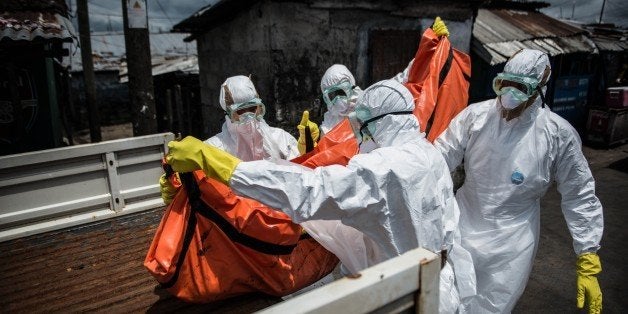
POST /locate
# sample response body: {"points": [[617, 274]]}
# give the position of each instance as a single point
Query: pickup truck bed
{"points": [[95, 268]]}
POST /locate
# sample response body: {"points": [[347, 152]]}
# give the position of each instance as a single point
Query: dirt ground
{"points": [[552, 284]]}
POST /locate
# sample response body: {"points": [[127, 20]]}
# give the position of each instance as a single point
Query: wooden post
{"points": [[88, 71], [169, 115], [55, 116], [188, 118], [141, 90], [179, 107], [16, 103]]}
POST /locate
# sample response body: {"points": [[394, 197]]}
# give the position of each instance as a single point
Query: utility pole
{"points": [[138, 61], [88, 71], [602, 12]]}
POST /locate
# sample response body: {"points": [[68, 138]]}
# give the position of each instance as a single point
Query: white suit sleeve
{"points": [[581, 208], [281, 143], [453, 142], [291, 147], [329, 192]]}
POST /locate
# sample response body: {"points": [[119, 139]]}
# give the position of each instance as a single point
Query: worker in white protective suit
{"points": [[513, 147], [339, 94], [244, 134], [399, 195]]}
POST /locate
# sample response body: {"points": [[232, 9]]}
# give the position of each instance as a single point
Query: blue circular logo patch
{"points": [[517, 177]]}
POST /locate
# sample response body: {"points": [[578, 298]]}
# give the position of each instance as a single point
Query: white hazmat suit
{"points": [[509, 166], [398, 195], [253, 139]]}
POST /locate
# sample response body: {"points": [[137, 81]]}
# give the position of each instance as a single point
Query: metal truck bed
{"points": [[95, 268]]}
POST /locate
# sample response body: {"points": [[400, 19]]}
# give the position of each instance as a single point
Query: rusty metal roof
{"points": [[163, 65], [30, 25], [608, 37], [611, 44], [499, 33], [109, 50]]}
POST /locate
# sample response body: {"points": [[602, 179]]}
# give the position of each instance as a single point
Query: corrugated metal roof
{"points": [[499, 33], [109, 49], [29, 26], [161, 65], [611, 44]]}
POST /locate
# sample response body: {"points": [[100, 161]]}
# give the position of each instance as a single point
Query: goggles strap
{"points": [[538, 89], [396, 113]]}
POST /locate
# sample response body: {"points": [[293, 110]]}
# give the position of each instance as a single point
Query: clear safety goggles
{"points": [[342, 89], [522, 87], [246, 111]]}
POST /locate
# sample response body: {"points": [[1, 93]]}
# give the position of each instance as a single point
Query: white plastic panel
{"points": [[57, 188], [405, 283]]}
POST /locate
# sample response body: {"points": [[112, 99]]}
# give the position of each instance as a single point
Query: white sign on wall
{"points": [[137, 14]]}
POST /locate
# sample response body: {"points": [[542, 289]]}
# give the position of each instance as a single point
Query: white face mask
{"points": [[340, 106], [249, 140], [509, 101]]}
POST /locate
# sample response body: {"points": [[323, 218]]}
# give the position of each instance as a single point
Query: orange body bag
{"points": [[439, 83]]}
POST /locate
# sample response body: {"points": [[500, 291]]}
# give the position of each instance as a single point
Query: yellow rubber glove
{"points": [[191, 154], [587, 267], [168, 191], [439, 27], [315, 133]]}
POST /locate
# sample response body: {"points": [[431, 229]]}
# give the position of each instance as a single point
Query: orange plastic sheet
{"points": [[237, 246], [439, 82], [335, 148], [230, 245]]}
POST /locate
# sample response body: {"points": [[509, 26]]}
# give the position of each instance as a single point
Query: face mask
{"points": [[249, 140], [509, 100], [340, 106]]}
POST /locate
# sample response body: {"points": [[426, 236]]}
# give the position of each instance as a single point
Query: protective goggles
{"points": [[253, 108], [522, 87], [342, 89]]}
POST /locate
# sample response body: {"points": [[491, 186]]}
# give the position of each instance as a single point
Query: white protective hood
{"points": [[399, 196], [509, 166]]}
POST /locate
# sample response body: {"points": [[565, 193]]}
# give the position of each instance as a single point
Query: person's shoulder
{"points": [[216, 140], [476, 112], [415, 150], [279, 132], [560, 127], [480, 108]]}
